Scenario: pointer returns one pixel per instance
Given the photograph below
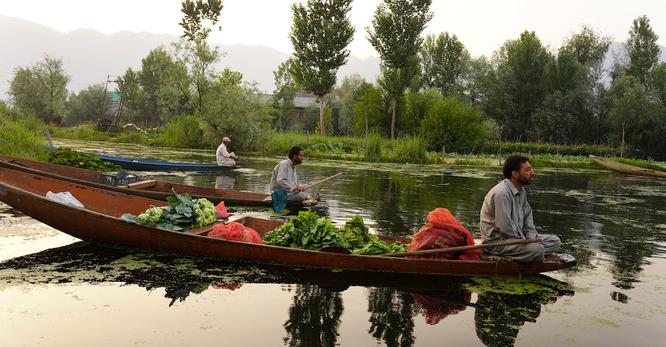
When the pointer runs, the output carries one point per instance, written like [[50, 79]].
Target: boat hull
[[157, 165], [626, 168], [99, 222], [160, 190]]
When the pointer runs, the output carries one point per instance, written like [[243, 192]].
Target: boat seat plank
[[199, 231], [142, 184]]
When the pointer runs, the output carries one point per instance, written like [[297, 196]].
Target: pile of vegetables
[[69, 157], [309, 231], [362, 242], [181, 214]]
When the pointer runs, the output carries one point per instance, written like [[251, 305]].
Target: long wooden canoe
[[152, 189], [626, 168], [139, 164], [100, 222]]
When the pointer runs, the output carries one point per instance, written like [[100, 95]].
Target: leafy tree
[[195, 80], [643, 50], [659, 82], [589, 50], [133, 97], [518, 88], [453, 126], [283, 96], [195, 77], [630, 111], [320, 34], [417, 106], [348, 93], [235, 110], [444, 60], [157, 78], [196, 14], [570, 112], [88, 105], [368, 110], [478, 77], [558, 118], [395, 34], [41, 90]]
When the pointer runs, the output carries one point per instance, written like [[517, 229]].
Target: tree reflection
[[502, 307], [314, 317], [499, 316], [392, 316]]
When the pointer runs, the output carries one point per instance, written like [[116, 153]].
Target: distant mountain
[[89, 56]]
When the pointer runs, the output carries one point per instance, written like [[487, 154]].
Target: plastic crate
[[119, 179]]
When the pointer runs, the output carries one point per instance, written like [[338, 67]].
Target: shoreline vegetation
[[23, 137], [377, 149]]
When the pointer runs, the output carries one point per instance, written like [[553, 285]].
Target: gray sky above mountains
[[99, 38], [482, 25]]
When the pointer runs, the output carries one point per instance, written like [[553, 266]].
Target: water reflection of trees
[[499, 317], [392, 316], [314, 317], [400, 202], [501, 309], [602, 213]]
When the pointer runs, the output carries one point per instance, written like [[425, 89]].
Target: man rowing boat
[[284, 175]]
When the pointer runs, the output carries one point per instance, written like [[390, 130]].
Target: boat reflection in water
[[502, 305]]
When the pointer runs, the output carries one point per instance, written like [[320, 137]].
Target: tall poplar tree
[[396, 35], [320, 33], [643, 50]]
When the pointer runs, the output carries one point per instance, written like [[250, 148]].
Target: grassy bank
[[21, 135], [376, 149]]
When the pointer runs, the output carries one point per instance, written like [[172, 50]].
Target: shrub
[[409, 150], [453, 126], [184, 132], [21, 135]]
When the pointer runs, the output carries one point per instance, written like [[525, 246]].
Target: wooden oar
[[316, 183], [463, 248], [280, 196]]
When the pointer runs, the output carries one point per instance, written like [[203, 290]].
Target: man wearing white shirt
[[224, 157]]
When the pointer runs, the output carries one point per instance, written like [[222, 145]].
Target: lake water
[[58, 291]]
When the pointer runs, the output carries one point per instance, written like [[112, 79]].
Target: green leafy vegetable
[[308, 231], [181, 214], [69, 157]]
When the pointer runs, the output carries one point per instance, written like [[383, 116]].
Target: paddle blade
[[279, 199]]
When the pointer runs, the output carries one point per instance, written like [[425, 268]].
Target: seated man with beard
[[506, 215]]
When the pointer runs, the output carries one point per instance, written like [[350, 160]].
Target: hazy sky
[[482, 25]]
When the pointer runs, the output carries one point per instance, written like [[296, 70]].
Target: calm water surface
[[56, 290]]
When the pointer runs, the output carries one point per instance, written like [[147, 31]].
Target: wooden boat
[[100, 222], [152, 189], [626, 168], [138, 164]]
